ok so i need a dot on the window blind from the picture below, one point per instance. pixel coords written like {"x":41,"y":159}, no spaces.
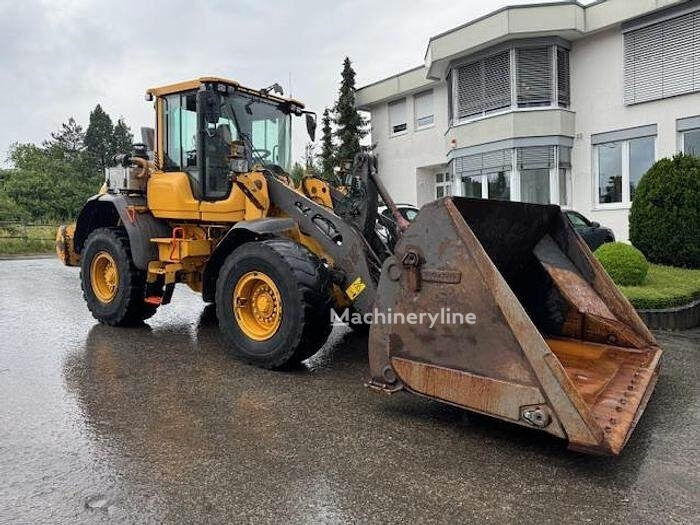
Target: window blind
{"x":470,"y":90}
{"x":535,"y":157}
{"x":662,"y":60}
{"x":497,"y":81}
{"x":397,"y":116}
{"x":563,"y":83}
{"x":484,"y":85}
{"x":423,"y":103}
{"x":483,"y":163}
{"x":534,"y":76}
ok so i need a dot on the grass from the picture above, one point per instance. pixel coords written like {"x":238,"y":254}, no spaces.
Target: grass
{"x":18,"y":239}
{"x":664,"y":287}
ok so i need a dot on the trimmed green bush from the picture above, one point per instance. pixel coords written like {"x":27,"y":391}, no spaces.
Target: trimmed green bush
{"x":664,"y":287}
{"x":665,"y":214}
{"x":625,"y":264}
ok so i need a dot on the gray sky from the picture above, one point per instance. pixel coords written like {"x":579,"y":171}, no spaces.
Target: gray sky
{"x":58,"y":58}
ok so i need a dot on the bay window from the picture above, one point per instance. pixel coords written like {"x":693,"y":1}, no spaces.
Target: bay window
{"x":519,"y":77}
{"x":537,"y":174}
{"x":534,"y":165}
{"x":620,"y":159}
{"x":534,"y":76}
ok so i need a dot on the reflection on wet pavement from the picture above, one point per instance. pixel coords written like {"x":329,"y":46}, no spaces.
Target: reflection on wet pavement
{"x":159,"y":423}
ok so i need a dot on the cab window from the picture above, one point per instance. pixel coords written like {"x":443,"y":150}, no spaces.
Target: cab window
{"x":218,"y":150}
{"x":181,"y":135}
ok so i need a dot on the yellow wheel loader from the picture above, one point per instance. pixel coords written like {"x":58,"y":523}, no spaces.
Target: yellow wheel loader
{"x":550,"y":343}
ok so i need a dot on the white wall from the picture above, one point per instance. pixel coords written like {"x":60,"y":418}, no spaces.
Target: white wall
{"x":401,"y":156}
{"x":407,"y":162}
{"x":597,"y":82}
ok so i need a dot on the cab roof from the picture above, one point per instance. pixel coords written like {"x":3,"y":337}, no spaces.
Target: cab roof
{"x":188,"y":85}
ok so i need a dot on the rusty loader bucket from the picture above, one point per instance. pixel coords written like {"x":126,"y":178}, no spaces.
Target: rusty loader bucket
{"x":553,"y":345}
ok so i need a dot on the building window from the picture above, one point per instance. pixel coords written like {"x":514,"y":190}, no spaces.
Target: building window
{"x":563,"y":80}
{"x":484,"y":86}
{"x":515,"y":78}
{"x":534,"y":76}
{"x":443,"y":185}
{"x":423,"y":107}
{"x":397,"y":117}
{"x":641,"y":153}
{"x":534,"y":165}
{"x":486,"y":175}
{"x":691,"y":142}
{"x":537,"y":174}
{"x":610,"y":173}
{"x":498,"y":186}
{"x":563,"y":181}
{"x":474,"y":187}
{"x":661,"y":59}
{"x":619,"y":167}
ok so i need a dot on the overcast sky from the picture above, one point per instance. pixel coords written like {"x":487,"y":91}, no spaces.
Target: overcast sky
{"x":58,"y":58}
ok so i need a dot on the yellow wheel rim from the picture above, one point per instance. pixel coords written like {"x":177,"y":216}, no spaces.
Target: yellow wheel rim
{"x":257,"y":305}
{"x":104,"y":277}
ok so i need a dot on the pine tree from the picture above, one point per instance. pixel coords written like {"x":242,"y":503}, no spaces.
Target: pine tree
{"x":122,"y":138}
{"x":327,"y":156}
{"x":98,"y":138}
{"x":351,"y":127}
{"x":69,"y":139}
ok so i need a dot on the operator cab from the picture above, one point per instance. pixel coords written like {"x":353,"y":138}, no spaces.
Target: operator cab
{"x":212,"y":128}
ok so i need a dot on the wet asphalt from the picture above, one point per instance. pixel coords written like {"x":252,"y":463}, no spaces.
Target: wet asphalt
{"x":160,"y":424}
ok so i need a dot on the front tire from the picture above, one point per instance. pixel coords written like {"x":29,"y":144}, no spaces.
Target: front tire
{"x":113,"y":288}
{"x":273,"y":303}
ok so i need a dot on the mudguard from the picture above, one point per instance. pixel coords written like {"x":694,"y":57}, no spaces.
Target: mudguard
{"x":241,"y":232}
{"x":141,"y":226}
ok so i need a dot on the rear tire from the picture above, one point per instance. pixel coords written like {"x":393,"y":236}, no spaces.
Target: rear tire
{"x":298,"y":283}
{"x":118,"y":298}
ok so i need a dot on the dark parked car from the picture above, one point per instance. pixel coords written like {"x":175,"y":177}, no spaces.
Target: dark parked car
{"x":592,"y":232}
{"x":386,"y":226}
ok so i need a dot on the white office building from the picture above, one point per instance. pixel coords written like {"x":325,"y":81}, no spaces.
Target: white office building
{"x":549,"y":103}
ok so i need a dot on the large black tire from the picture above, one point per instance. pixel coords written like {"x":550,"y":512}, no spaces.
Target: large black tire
{"x":128,"y":306}
{"x":304,"y":285}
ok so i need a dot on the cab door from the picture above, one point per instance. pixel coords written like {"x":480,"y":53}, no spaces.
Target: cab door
{"x":174,"y":191}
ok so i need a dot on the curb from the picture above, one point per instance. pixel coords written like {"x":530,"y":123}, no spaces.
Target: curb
{"x":676,"y":318}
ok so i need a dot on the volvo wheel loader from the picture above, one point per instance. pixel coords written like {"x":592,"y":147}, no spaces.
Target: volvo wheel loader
{"x":553,"y":344}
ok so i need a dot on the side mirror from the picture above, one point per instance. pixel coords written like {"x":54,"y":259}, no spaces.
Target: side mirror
{"x":210,"y":105}
{"x":148,"y":137}
{"x":595,"y":224}
{"x":311,"y":125}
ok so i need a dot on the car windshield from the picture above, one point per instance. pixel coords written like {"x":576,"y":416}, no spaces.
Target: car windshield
{"x":267,"y":126}
{"x":576,"y":219}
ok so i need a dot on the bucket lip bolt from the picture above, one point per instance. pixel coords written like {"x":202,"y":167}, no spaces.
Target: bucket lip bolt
{"x":536,"y":415}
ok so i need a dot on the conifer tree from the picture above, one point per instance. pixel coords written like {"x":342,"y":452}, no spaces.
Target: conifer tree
{"x":327,"y":156}
{"x":351,"y":127}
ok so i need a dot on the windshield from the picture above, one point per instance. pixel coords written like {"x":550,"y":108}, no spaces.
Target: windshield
{"x":267,"y":126}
